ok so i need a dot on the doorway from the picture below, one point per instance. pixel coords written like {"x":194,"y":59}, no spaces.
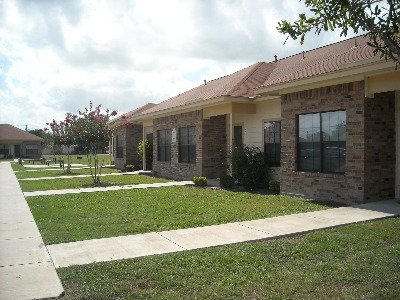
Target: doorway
{"x":237,"y":135}
{"x":17,"y":151}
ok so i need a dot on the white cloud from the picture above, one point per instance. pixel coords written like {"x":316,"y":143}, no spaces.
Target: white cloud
{"x":55,"y":56}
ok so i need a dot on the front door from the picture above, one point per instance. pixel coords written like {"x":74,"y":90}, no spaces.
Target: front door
{"x":237,"y":135}
{"x":17,"y":151}
{"x":149,"y":154}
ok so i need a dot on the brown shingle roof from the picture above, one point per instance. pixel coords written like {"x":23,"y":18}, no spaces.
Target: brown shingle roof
{"x":239,"y":83}
{"x":134,"y":113}
{"x":320,"y":61}
{"x":11,"y":133}
{"x":315,"y":62}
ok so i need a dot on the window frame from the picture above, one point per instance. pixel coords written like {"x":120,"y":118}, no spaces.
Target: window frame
{"x":164,"y":150}
{"x":321,"y":143}
{"x":190,"y":148}
{"x":274,"y":164}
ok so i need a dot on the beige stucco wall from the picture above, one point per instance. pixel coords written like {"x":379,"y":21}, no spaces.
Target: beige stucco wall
{"x":148,"y":129}
{"x":268,"y":110}
{"x":383,"y":83}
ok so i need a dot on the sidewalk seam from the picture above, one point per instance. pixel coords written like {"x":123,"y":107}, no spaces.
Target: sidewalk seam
{"x":171,"y":241}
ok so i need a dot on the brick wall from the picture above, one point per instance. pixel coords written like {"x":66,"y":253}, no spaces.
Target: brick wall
{"x":348,"y":187}
{"x":214,"y":146}
{"x":380,"y":149}
{"x":131,"y":136}
{"x":174,"y":169}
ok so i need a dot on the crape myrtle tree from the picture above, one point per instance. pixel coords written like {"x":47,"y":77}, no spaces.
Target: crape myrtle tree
{"x":380,"y":20}
{"x":92,"y":133}
{"x":63,"y":135}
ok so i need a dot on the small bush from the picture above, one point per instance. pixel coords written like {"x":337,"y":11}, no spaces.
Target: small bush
{"x":248,"y":167}
{"x":129,"y":168}
{"x":274,"y":186}
{"x":226,"y":181}
{"x":200,"y":181}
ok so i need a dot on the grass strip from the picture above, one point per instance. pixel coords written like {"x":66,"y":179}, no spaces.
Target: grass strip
{"x":60,"y":173}
{"x":66,"y":218}
{"x":75,"y":183}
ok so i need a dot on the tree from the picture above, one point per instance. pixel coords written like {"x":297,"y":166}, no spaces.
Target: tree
{"x":378,"y":18}
{"x":93,"y":134}
{"x":63,"y":135}
{"x":44,"y":134}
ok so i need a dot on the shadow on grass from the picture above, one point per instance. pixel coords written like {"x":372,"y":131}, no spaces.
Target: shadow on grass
{"x":266,"y":192}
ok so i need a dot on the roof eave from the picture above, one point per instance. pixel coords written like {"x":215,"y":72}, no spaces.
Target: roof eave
{"x":193,"y":106}
{"x":347,"y":73}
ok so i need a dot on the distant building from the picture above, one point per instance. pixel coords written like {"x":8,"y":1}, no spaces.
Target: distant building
{"x":15,"y":143}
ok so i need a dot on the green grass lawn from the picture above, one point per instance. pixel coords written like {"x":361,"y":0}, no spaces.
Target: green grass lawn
{"x":104,"y":159}
{"x":75,"y":183}
{"x":66,"y":218}
{"x":358,"y":261}
{"x":60,"y":173}
{"x":18,"y":167}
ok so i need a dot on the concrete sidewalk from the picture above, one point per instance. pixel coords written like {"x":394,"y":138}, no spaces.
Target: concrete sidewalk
{"x":108,"y":188}
{"x":108,"y":249}
{"x":26,"y":268}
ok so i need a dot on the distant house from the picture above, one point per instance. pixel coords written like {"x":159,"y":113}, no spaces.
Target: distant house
{"x":15,"y":143}
{"x":328,"y":121}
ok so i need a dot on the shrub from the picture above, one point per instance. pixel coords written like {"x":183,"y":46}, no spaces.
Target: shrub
{"x":129,"y":168}
{"x":200,"y":181}
{"x":226,"y":181}
{"x":148,"y":146}
{"x":248,"y":166}
{"x":274,"y":186}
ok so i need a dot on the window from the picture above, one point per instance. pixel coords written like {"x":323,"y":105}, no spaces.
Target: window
{"x":187,"y":145}
{"x":120,"y":147}
{"x":164,"y":145}
{"x":272,"y":143}
{"x":322,"y":142}
{"x":32,"y":149}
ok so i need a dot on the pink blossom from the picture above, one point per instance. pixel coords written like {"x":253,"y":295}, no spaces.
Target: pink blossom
{"x":114,"y":113}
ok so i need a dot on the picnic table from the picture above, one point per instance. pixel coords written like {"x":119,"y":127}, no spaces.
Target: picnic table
{"x":33,"y":160}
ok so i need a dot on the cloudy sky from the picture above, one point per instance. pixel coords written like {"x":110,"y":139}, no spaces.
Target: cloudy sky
{"x":56,"y":56}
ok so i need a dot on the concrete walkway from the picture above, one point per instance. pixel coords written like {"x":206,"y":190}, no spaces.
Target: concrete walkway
{"x":108,"y":188}
{"x":26,"y":268}
{"x":108,"y":249}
